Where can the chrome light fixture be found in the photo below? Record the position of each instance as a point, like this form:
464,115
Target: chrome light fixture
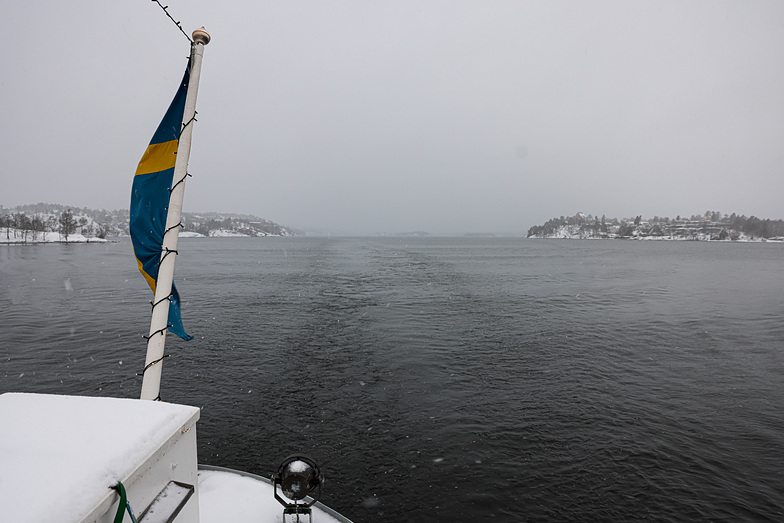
297,476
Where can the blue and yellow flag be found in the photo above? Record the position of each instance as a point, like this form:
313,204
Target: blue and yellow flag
150,200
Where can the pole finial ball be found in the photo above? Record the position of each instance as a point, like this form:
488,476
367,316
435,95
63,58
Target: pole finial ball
201,36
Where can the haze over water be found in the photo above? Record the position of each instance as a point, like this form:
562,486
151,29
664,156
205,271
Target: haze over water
439,379
394,116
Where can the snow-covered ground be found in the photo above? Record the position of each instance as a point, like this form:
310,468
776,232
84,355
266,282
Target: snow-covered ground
220,233
225,233
17,236
573,232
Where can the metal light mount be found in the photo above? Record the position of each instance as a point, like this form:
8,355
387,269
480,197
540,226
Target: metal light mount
297,476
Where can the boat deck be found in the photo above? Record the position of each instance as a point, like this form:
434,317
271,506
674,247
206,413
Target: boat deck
241,497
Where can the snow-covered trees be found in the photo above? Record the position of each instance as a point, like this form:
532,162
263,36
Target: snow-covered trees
67,223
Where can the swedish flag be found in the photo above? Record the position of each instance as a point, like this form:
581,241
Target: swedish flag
150,200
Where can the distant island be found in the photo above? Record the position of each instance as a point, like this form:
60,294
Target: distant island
44,222
710,226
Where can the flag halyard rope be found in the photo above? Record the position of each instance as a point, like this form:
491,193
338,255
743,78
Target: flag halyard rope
177,23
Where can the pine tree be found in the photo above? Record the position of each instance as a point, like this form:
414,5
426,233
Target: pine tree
67,223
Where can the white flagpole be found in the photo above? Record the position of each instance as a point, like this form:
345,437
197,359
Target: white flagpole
151,380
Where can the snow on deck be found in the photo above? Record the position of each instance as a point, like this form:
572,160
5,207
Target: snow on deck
59,455
226,496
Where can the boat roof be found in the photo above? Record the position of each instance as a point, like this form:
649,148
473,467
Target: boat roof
60,455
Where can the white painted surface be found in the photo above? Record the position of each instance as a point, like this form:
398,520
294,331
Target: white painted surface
225,496
59,455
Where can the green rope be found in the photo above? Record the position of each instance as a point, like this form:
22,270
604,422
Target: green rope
123,504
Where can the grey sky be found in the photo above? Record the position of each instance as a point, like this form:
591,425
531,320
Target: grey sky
443,116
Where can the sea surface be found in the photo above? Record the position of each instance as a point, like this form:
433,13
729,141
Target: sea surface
443,379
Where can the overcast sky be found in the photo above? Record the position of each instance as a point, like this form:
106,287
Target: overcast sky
393,116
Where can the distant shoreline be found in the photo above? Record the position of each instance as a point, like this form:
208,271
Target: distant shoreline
662,239
38,242
712,226
48,237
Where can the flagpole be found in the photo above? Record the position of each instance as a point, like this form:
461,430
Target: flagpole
151,380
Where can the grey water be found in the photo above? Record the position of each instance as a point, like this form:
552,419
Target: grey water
443,379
